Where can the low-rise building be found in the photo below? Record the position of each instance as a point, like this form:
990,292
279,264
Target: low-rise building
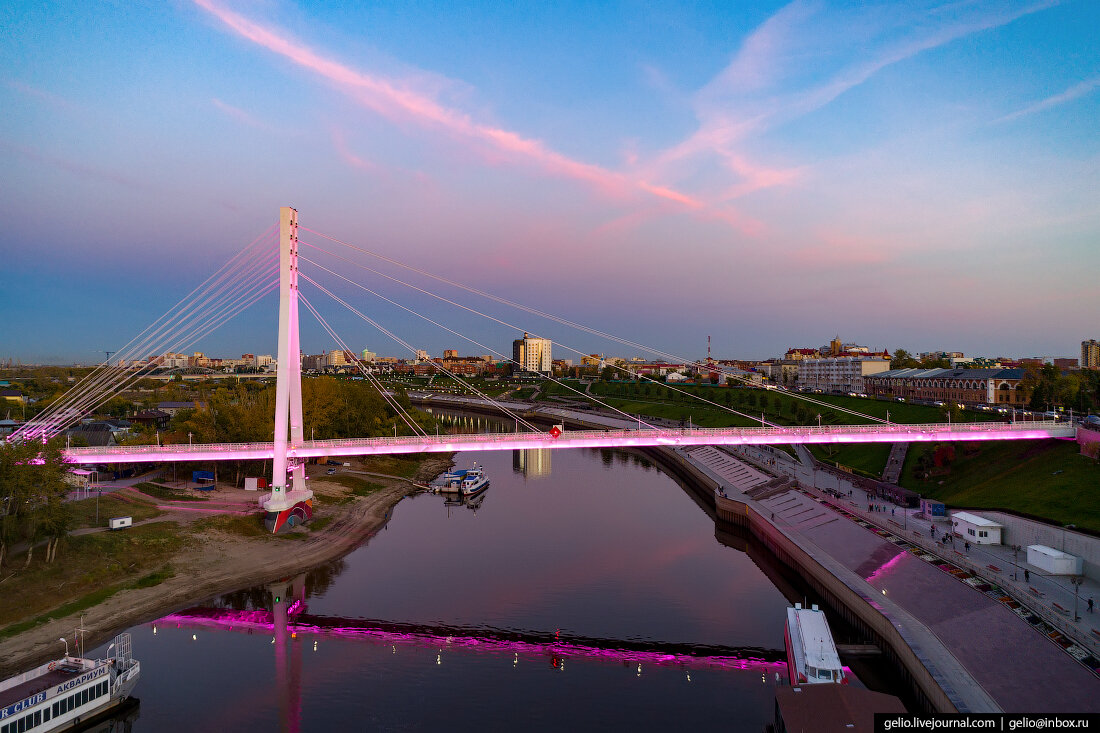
966,386
975,529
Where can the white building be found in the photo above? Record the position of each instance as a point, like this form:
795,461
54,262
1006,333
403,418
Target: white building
263,361
1053,561
976,530
532,354
839,374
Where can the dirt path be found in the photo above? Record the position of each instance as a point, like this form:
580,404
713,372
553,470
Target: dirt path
215,562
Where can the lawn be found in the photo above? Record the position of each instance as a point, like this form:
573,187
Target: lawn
163,492
1044,478
403,466
866,458
88,569
84,511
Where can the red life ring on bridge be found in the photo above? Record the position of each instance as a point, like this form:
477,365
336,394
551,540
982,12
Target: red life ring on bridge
53,666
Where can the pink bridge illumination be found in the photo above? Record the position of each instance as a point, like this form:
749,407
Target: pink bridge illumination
480,641
618,438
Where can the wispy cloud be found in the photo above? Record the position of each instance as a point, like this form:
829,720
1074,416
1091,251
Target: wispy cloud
76,168
240,115
42,95
745,99
402,102
1074,92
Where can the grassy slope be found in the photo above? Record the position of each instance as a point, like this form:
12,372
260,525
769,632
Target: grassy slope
1048,478
88,569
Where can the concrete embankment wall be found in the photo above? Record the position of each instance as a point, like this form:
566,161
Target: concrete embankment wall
840,588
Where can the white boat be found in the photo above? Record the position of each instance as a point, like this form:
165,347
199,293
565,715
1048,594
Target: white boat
811,654
465,482
67,692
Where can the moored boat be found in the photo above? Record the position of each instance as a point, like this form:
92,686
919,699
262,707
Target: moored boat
466,482
68,692
811,653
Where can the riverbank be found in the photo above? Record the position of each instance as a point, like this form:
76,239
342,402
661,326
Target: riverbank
223,553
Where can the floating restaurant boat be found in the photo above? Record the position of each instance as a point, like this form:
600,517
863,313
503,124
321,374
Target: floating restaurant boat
465,482
68,692
811,654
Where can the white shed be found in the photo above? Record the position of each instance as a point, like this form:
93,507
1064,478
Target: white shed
1053,561
976,530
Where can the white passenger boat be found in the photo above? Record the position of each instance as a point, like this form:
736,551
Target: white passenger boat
465,482
68,692
811,654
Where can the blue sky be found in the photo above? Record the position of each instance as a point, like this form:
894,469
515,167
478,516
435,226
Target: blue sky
917,175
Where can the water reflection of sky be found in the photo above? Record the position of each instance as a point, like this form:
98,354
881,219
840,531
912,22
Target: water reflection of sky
599,548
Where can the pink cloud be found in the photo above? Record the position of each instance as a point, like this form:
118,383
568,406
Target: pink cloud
400,103
239,114
841,250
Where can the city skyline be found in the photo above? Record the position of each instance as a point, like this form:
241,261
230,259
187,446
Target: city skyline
913,177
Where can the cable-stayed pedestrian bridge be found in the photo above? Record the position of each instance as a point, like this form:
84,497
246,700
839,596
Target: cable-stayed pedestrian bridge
634,438
272,263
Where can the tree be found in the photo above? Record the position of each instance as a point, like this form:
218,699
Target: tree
903,360
32,496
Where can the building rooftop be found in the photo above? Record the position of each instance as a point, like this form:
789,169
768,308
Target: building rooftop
957,373
974,519
828,708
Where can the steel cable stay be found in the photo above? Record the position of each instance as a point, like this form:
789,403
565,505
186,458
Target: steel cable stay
477,343
586,329
198,319
692,395
519,420
371,379
91,402
153,333
198,312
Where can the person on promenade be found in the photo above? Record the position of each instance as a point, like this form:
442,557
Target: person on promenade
1090,604
967,546
1027,576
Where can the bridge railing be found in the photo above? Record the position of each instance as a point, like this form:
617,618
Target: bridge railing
474,439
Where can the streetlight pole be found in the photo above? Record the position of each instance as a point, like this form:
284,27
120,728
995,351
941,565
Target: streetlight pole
1076,587
1015,561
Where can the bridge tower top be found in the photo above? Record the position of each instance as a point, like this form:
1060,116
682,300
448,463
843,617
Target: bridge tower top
288,389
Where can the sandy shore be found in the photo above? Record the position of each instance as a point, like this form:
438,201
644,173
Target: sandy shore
215,562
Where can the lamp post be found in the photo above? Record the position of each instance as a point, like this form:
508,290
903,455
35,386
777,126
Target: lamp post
1077,580
1015,561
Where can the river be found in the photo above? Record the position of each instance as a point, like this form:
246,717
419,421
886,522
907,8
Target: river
583,590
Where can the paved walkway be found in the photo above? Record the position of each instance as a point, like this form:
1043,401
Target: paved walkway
892,472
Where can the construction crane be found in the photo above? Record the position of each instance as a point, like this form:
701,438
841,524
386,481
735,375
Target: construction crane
106,361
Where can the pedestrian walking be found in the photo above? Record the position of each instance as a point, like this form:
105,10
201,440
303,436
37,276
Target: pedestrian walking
967,546
1090,604
1027,576
891,511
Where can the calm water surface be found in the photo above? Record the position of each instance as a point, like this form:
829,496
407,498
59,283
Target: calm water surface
455,617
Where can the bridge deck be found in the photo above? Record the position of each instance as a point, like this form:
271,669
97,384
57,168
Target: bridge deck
611,438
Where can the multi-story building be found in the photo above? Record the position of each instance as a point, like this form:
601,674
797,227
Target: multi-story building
450,353
839,374
968,386
336,358
1090,354
263,361
532,354
368,356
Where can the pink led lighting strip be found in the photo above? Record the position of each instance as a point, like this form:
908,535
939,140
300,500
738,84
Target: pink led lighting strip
681,437
485,642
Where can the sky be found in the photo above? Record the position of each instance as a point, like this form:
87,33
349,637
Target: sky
922,175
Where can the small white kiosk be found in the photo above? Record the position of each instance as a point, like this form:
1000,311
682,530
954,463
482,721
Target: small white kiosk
1053,561
976,530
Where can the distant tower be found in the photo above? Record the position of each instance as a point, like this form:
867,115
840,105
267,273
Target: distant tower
836,347
709,360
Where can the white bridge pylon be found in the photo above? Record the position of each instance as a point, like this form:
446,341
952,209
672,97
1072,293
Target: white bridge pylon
289,433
